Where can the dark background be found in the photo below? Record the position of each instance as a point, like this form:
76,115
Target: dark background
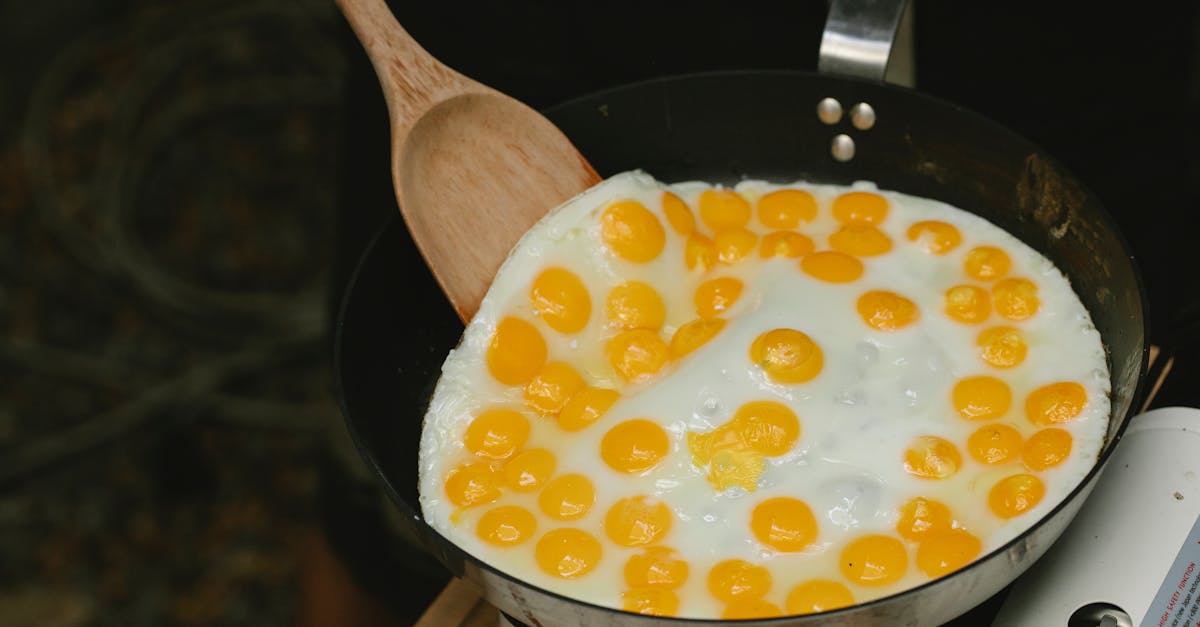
185,187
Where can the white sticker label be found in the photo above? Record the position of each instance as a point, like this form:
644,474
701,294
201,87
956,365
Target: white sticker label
1177,603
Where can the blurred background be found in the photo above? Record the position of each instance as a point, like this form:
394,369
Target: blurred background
186,186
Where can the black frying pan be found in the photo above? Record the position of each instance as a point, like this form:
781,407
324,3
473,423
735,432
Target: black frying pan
395,327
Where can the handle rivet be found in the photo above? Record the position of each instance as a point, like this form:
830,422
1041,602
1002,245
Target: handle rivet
829,111
862,116
842,148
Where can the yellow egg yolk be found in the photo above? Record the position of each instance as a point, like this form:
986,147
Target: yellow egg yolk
635,305
650,601
715,296
699,252
1046,448
986,263
994,444
784,523
679,216
656,567
496,433
1015,495
507,525
723,209
473,484
734,244
943,553
738,580
632,232
529,470
637,521
568,553
637,354
922,516
767,427
832,266
981,397
935,236
550,390
560,299
887,311
786,208
516,353
1002,347
692,335
860,208
751,608
1015,298
586,407
789,244
932,457
860,240
634,446
787,356
874,560
1055,403
818,595
968,303
567,497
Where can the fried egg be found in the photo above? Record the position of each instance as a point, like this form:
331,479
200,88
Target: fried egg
766,399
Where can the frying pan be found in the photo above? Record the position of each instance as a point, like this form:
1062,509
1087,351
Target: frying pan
395,327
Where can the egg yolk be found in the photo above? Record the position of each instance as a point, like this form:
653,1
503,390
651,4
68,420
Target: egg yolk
1002,347
968,303
679,216
559,298
637,521
818,595
656,567
752,608
931,457
1015,299
1046,448
634,446
550,390
1055,403
734,244
945,552
787,356
994,444
632,232
568,553
635,305
786,208
715,296
699,251
935,236
730,460
528,470
496,433
923,516
472,484
586,407
723,209
637,354
886,311
738,580
860,208
507,525
784,523
981,397
692,335
789,244
1015,495
767,427
832,266
650,601
874,560
986,263
860,240
567,497
516,353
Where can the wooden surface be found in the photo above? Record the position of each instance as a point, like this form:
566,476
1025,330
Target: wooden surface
459,605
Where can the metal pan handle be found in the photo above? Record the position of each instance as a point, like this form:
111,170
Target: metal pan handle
870,39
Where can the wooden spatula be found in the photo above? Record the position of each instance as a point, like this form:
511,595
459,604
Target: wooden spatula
473,169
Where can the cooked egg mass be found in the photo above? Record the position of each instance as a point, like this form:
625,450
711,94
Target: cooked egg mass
730,402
